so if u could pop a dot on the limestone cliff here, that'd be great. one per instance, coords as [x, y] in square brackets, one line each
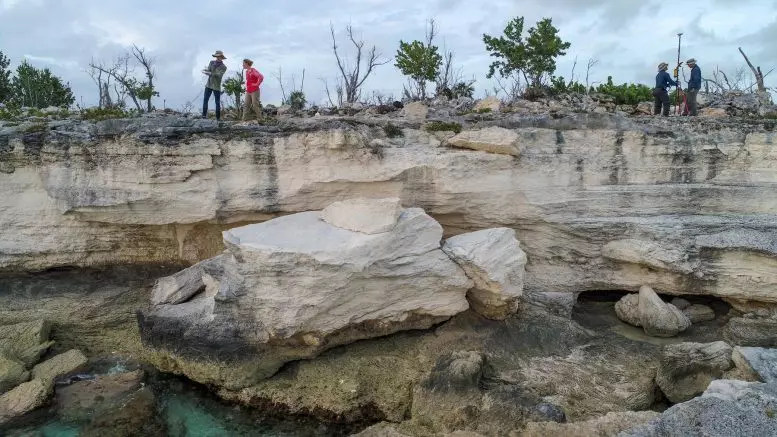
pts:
[598, 201]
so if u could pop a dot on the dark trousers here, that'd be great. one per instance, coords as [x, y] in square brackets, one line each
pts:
[691, 102]
[661, 102]
[217, 97]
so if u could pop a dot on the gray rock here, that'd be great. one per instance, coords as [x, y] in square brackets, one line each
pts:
[680, 303]
[760, 361]
[12, 373]
[59, 366]
[747, 410]
[23, 398]
[699, 313]
[658, 318]
[627, 309]
[686, 369]
[754, 332]
[554, 302]
[26, 342]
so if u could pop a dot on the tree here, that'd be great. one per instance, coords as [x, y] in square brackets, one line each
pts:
[235, 87]
[39, 88]
[145, 90]
[6, 91]
[127, 85]
[419, 61]
[534, 58]
[353, 76]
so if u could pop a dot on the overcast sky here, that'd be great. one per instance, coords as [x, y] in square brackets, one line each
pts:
[629, 37]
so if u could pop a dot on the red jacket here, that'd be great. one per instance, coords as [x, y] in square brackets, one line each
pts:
[253, 79]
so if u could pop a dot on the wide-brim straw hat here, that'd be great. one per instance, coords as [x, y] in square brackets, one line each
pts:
[691, 61]
[663, 66]
[219, 53]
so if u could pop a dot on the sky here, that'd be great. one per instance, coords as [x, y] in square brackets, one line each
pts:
[628, 37]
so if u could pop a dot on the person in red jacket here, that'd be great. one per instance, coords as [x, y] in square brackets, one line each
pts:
[254, 79]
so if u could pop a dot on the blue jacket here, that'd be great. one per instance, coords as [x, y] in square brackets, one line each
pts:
[695, 80]
[664, 80]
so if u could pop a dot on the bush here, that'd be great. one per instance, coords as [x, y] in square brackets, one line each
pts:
[297, 100]
[393, 131]
[484, 111]
[9, 113]
[441, 126]
[626, 94]
[559, 86]
[97, 114]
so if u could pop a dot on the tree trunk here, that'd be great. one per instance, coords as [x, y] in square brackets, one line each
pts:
[759, 77]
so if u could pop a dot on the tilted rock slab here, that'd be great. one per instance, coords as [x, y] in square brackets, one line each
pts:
[292, 287]
[494, 260]
[658, 318]
[686, 369]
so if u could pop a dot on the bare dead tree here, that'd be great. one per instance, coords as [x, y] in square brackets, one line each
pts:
[511, 87]
[353, 76]
[294, 89]
[122, 72]
[759, 76]
[103, 81]
[147, 90]
[339, 93]
[592, 62]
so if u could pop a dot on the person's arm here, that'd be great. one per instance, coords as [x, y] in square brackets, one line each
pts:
[259, 78]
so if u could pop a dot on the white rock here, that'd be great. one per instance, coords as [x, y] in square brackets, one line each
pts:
[368, 216]
[659, 318]
[493, 259]
[627, 309]
[491, 103]
[23, 399]
[294, 286]
[492, 139]
[415, 111]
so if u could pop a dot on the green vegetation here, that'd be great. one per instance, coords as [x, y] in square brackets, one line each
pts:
[39, 88]
[627, 93]
[35, 127]
[393, 131]
[441, 126]
[97, 114]
[484, 110]
[421, 62]
[296, 100]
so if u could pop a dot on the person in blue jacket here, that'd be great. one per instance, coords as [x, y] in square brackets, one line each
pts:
[694, 85]
[663, 81]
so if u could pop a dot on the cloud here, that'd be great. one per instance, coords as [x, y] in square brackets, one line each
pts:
[629, 37]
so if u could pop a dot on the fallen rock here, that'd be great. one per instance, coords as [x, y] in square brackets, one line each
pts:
[658, 318]
[686, 369]
[699, 313]
[23, 398]
[415, 111]
[605, 426]
[26, 342]
[60, 365]
[490, 103]
[754, 332]
[136, 416]
[92, 397]
[757, 361]
[491, 139]
[368, 216]
[680, 303]
[292, 287]
[493, 259]
[627, 309]
[727, 408]
[12, 373]
[559, 303]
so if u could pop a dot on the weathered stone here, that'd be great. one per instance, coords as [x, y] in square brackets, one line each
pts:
[492, 139]
[728, 408]
[627, 309]
[756, 332]
[490, 103]
[23, 399]
[757, 361]
[179, 287]
[26, 342]
[713, 112]
[12, 373]
[294, 286]
[368, 216]
[686, 369]
[91, 397]
[605, 426]
[658, 318]
[493, 259]
[415, 111]
[647, 253]
[681, 303]
[60, 365]
[134, 416]
[699, 313]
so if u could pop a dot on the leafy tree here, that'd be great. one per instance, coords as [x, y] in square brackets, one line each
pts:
[534, 58]
[559, 86]
[235, 87]
[39, 88]
[6, 90]
[420, 61]
[296, 100]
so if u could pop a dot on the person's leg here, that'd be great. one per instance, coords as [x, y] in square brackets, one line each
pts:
[665, 102]
[205, 99]
[255, 104]
[657, 102]
[217, 96]
[692, 107]
[246, 106]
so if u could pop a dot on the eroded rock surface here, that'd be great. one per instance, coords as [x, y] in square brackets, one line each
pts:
[659, 318]
[686, 369]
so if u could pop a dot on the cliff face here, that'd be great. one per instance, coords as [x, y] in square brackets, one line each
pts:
[598, 201]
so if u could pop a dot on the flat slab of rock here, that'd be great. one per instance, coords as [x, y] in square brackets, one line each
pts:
[756, 332]
[699, 313]
[60, 365]
[758, 361]
[23, 398]
[493, 259]
[292, 287]
[368, 216]
[26, 342]
[686, 369]
[491, 139]
[659, 318]
[12, 373]
[83, 399]
[608, 425]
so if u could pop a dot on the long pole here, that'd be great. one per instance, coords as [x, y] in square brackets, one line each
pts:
[677, 74]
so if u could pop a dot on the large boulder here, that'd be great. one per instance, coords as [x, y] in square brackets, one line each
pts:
[491, 139]
[627, 309]
[26, 342]
[490, 104]
[727, 408]
[415, 111]
[87, 398]
[292, 287]
[686, 369]
[659, 318]
[12, 373]
[757, 361]
[60, 365]
[368, 216]
[23, 398]
[494, 260]
[754, 332]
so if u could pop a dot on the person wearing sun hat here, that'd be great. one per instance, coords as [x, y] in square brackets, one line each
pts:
[663, 81]
[215, 73]
[694, 84]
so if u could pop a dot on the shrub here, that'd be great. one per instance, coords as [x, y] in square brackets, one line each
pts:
[97, 114]
[393, 131]
[484, 111]
[9, 113]
[559, 86]
[625, 94]
[441, 126]
[297, 100]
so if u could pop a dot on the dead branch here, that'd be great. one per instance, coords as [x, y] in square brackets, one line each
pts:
[352, 77]
[759, 76]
